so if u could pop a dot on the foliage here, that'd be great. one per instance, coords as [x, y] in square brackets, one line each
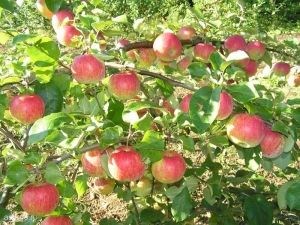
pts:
[224, 183]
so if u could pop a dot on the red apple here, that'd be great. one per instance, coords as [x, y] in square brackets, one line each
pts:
[170, 168]
[145, 57]
[124, 85]
[91, 162]
[39, 198]
[101, 40]
[186, 33]
[87, 69]
[203, 83]
[104, 186]
[167, 47]
[141, 187]
[235, 42]
[125, 164]
[57, 220]
[202, 52]
[226, 106]
[242, 63]
[131, 53]
[68, 35]
[185, 103]
[27, 108]
[281, 68]
[167, 106]
[255, 50]
[64, 17]
[273, 143]
[293, 80]
[245, 130]
[43, 9]
[184, 63]
[251, 68]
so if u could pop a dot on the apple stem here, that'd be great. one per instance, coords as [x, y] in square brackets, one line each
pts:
[134, 205]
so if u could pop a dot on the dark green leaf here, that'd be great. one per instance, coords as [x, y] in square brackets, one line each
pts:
[187, 143]
[4, 215]
[52, 173]
[110, 221]
[258, 210]
[66, 189]
[53, 5]
[150, 215]
[110, 136]
[152, 140]
[220, 141]
[166, 88]
[283, 160]
[199, 70]
[115, 109]
[243, 92]
[62, 81]
[8, 5]
[292, 196]
[182, 205]
[32, 158]
[27, 221]
[17, 173]
[216, 60]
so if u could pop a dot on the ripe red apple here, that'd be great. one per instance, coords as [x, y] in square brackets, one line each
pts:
[185, 103]
[141, 187]
[101, 40]
[242, 63]
[104, 186]
[235, 42]
[293, 80]
[170, 168]
[167, 47]
[131, 53]
[62, 17]
[145, 57]
[124, 85]
[251, 68]
[27, 108]
[245, 130]
[57, 220]
[43, 9]
[202, 52]
[125, 164]
[39, 198]
[91, 162]
[167, 106]
[281, 68]
[87, 69]
[255, 50]
[186, 33]
[226, 106]
[68, 35]
[184, 63]
[273, 143]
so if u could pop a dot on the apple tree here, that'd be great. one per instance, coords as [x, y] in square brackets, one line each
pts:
[194, 121]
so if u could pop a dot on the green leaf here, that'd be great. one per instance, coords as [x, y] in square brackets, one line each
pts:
[152, 140]
[234, 57]
[52, 173]
[292, 196]
[106, 221]
[4, 37]
[81, 185]
[51, 95]
[46, 125]
[258, 210]
[243, 92]
[199, 70]
[101, 25]
[267, 58]
[166, 88]
[27, 221]
[8, 80]
[32, 158]
[8, 5]
[23, 37]
[17, 173]
[204, 115]
[187, 143]
[115, 109]
[216, 60]
[62, 81]
[182, 205]
[282, 194]
[46, 50]
[53, 5]
[144, 123]
[138, 105]
[150, 215]
[110, 136]
[4, 214]
[120, 19]
[66, 189]
[220, 141]
[283, 160]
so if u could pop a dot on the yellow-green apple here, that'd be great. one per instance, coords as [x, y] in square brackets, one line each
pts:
[167, 47]
[57, 220]
[91, 162]
[170, 168]
[184, 63]
[131, 53]
[281, 68]
[27, 108]
[226, 106]
[125, 164]
[251, 68]
[64, 17]
[202, 52]
[68, 35]
[273, 143]
[255, 50]
[186, 33]
[124, 85]
[245, 130]
[161, 64]
[39, 198]
[235, 42]
[145, 57]
[185, 103]
[293, 80]
[104, 186]
[141, 187]
[87, 69]
[43, 9]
